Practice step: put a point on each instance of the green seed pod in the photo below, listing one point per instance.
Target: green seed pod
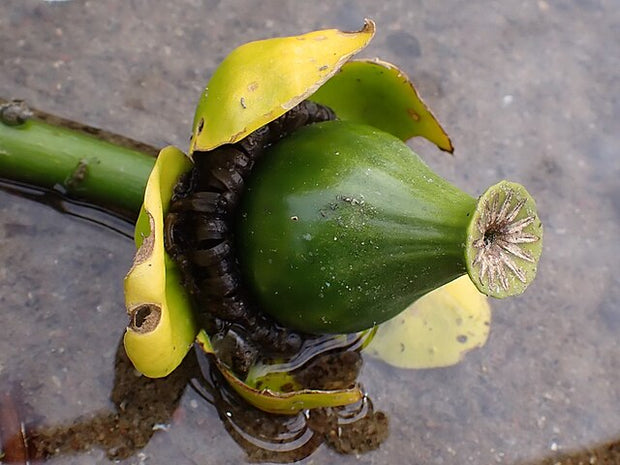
(342, 226)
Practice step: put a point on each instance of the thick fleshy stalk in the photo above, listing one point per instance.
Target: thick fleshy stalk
(342, 227)
(73, 159)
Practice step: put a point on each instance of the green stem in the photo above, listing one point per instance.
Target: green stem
(504, 237)
(72, 159)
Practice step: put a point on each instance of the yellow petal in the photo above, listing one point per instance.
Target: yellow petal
(162, 327)
(379, 94)
(261, 80)
(278, 402)
(437, 330)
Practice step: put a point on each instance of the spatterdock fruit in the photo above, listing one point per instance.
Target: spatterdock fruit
(342, 226)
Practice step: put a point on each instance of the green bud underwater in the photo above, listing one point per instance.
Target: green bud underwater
(342, 226)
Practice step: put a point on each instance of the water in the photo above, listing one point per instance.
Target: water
(139, 408)
(546, 383)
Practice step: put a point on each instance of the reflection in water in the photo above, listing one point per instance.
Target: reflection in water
(287, 438)
(141, 404)
(603, 454)
(326, 362)
(12, 433)
(144, 405)
(84, 211)
(352, 429)
(264, 437)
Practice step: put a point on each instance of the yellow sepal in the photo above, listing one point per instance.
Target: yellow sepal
(162, 326)
(259, 81)
(437, 330)
(285, 403)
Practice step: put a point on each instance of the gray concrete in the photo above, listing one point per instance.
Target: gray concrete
(528, 90)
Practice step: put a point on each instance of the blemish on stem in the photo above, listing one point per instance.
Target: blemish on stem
(78, 176)
(15, 113)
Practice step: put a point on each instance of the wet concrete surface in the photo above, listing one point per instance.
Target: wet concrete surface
(527, 90)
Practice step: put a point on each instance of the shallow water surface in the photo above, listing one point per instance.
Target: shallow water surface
(527, 92)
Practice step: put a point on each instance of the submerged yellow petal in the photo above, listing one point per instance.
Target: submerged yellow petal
(379, 94)
(162, 327)
(273, 401)
(437, 330)
(261, 80)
